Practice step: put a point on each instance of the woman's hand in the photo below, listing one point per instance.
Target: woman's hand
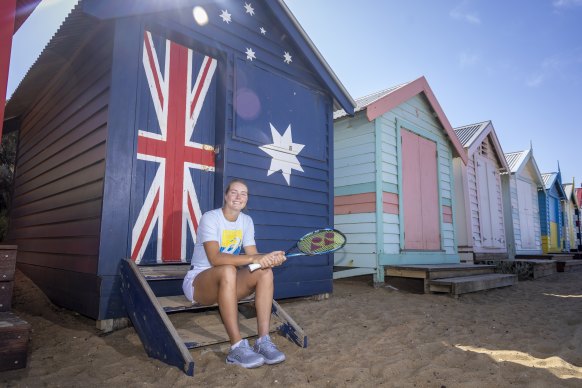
(272, 259)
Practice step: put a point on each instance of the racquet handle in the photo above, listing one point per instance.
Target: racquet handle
(254, 267)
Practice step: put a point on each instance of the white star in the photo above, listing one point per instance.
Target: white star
(288, 59)
(249, 9)
(283, 151)
(263, 31)
(225, 16)
(250, 54)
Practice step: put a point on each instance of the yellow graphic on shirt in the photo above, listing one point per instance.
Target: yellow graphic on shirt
(231, 241)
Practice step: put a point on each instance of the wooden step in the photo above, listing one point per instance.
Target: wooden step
(175, 303)
(164, 271)
(465, 284)
(569, 265)
(525, 269)
(438, 271)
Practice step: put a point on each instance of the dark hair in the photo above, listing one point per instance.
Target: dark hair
(235, 180)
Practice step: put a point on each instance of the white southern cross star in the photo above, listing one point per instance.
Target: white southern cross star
(225, 16)
(249, 9)
(288, 59)
(250, 54)
(263, 31)
(283, 153)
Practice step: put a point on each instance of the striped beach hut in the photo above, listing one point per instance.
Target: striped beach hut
(571, 213)
(578, 221)
(134, 118)
(479, 212)
(394, 181)
(551, 204)
(521, 209)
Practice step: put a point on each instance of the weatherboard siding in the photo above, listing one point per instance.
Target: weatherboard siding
(58, 190)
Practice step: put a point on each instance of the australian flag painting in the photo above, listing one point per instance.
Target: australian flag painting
(174, 153)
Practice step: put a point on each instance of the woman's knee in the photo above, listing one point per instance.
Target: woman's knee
(226, 273)
(265, 274)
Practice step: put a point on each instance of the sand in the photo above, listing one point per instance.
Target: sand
(526, 335)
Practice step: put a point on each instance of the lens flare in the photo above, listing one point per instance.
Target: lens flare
(200, 15)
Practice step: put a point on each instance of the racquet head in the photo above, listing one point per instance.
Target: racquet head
(321, 241)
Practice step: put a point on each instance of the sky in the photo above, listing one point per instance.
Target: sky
(517, 63)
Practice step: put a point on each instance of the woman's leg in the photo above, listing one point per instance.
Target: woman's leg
(261, 281)
(219, 285)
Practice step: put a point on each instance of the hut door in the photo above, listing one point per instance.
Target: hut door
(173, 177)
(489, 219)
(526, 214)
(420, 193)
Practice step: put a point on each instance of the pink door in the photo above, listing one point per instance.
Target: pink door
(420, 193)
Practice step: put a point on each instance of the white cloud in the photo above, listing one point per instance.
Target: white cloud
(459, 13)
(566, 3)
(468, 59)
(535, 80)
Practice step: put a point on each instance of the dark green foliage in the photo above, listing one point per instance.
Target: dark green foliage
(7, 159)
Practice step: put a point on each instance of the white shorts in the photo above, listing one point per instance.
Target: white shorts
(188, 284)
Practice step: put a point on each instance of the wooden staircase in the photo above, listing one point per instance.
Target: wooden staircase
(168, 325)
(453, 279)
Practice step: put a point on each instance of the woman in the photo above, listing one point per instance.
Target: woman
(219, 274)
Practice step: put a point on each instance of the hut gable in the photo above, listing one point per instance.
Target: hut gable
(134, 118)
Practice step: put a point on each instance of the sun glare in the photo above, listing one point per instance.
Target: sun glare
(200, 15)
(554, 365)
(563, 296)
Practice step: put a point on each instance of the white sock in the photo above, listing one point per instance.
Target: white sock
(232, 347)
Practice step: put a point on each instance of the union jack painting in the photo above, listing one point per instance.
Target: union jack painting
(179, 81)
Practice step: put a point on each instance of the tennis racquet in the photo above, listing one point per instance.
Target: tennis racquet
(318, 242)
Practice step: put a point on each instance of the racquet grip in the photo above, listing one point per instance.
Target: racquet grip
(254, 266)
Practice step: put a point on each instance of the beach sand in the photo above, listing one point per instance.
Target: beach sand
(526, 335)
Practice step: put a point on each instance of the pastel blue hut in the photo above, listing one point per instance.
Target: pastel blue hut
(521, 208)
(479, 213)
(394, 182)
(551, 203)
(134, 118)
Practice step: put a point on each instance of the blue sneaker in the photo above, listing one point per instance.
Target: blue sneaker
(244, 356)
(266, 348)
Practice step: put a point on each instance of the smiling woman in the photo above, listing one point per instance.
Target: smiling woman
(219, 274)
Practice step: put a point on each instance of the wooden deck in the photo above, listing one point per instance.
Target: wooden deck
(525, 269)
(454, 279)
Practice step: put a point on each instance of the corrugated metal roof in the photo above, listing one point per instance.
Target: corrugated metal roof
(363, 102)
(515, 159)
(58, 51)
(468, 133)
(548, 179)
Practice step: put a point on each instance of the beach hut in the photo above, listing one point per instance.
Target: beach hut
(479, 213)
(571, 212)
(394, 181)
(578, 192)
(521, 209)
(134, 118)
(551, 204)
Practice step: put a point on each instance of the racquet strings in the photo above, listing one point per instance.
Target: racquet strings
(321, 242)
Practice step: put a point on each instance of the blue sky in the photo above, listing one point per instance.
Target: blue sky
(515, 62)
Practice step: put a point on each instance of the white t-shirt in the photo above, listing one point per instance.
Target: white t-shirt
(230, 236)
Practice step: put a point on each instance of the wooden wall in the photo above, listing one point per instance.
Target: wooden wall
(57, 201)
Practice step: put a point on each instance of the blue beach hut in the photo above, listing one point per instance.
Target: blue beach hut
(136, 115)
(551, 203)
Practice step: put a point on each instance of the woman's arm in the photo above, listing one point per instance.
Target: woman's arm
(215, 257)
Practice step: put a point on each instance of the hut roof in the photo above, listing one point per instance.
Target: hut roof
(85, 17)
(378, 103)
(472, 135)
